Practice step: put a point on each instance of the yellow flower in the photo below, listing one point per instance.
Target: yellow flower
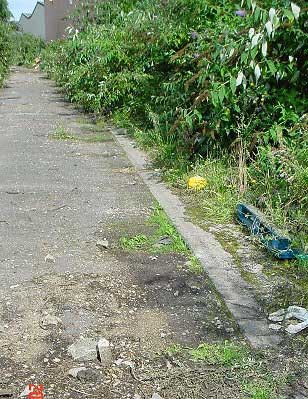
(196, 183)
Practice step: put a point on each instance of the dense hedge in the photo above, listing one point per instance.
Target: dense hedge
(200, 79)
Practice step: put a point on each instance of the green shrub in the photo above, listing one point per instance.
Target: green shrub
(5, 50)
(26, 48)
(17, 48)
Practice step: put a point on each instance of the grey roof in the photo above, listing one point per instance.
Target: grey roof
(29, 15)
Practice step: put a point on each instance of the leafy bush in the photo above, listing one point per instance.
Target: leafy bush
(17, 48)
(198, 79)
(4, 11)
(26, 48)
(5, 50)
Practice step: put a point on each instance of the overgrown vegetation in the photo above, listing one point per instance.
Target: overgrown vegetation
(26, 48)
(5, 50)
(5, 42)
(16, 48)
(242, 366)
(220, 85)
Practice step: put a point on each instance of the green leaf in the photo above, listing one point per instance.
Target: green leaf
(215, 98)
(233, 84)
(289, 14)
(222, 93)
(198, 115)
(254, 52)
(244, 57)
(271, 66)
(257, 14)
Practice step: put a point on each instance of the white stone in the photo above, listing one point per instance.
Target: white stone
(102, 244)
(275, 327)
(104, 352)
(50, 259)
(74, 371)
(277, 316)
(50, 320)
(83, 349)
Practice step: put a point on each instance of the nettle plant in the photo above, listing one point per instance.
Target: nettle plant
(249, 73)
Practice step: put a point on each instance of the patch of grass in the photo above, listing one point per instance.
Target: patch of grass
(194, 266)
(175, 349)
(226, 354)
(302, 265)
(82, 120)
(217, 202)
(247, 368)
(163, 230)
(135, 243)
(264, 388)
(261, 393)
(293, 287)
(61, 133)
(98, 138)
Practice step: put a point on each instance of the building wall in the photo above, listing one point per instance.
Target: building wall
(56, 12)
(34, 23)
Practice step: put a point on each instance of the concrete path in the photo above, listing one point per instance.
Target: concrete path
(64, 185)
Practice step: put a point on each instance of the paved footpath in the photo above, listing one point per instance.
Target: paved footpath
(58, 198)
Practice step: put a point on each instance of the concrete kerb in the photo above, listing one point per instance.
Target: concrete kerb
(217, 263)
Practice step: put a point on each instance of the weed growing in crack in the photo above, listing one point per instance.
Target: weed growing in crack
(260, 393)
(243, 366)
(226, 354)
(175, 349)
(135, 243)
(194, 266)
(164, 228)
(61, 133)
(165, 238)
(98, 138)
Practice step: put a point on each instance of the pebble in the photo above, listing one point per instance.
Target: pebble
(275, 327)
(102, 244)
(83, 349)
(104, 352)
(88, 375)
(50, 259)
(166, 240)
(50, 320)
(74, 371)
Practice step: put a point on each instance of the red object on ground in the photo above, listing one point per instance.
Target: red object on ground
(36, 391)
